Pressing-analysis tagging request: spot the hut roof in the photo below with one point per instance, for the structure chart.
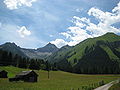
(25, 73)
(3, 71)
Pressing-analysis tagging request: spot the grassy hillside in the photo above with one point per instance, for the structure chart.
(58, 80)
(105, 42)
(60, 54)
(91, 53)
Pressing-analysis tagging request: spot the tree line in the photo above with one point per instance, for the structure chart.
(85, 66)
(7, 58)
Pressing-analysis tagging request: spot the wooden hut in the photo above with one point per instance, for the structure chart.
(26, 76)
(3, 74)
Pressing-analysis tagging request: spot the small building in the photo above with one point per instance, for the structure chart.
(3, 74)
(26, 76)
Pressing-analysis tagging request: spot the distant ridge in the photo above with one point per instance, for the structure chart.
(31, 53)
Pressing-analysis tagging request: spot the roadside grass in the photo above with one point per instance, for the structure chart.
(59, 80)
(115, 87)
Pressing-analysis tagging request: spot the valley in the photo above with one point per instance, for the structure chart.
(58, 80)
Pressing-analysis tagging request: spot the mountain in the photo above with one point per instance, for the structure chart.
(31, 53)
(93, 55)
(13, 48)
(51, 48)
(40, 52)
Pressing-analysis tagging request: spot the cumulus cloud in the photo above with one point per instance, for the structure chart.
(24, 32)
(14, 4)
(59, 42)
(83, 27)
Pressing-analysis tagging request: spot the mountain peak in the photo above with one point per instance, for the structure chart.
(10, 44)
(13, 48)
(111, 37)
(48, 48)
(110, 33)
(51, 45)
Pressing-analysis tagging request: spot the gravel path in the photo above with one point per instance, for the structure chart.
(107, 86)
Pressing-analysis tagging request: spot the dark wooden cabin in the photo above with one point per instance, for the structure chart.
(26, 76)
(3, 74)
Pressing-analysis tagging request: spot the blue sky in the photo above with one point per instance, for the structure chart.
(34, 23)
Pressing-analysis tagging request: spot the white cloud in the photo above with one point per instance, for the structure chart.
(65, 34)
(9, 33)
(106, 17)
(79, 9)
(59, 42)
(83, 27)
(0, 24)
(117, 9)
(24, 32)
(14, 4)
(50, 35)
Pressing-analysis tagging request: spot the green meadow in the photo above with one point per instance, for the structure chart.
(58, 80)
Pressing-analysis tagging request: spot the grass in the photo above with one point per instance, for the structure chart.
(59, 80)
(115, 87)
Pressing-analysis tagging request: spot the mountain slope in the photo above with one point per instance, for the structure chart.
(92, 53)
(60, 54)
(109, 42)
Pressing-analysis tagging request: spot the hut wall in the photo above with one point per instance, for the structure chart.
(3, 75)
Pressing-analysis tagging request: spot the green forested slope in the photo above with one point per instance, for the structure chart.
(92, 55)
